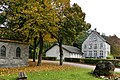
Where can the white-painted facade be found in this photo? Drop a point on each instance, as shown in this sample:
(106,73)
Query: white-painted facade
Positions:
(54,52)
(95,46)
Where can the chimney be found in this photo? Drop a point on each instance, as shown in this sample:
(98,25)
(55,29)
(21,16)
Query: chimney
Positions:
(95,29)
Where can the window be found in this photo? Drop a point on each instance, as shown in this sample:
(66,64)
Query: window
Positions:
(18,52)
(3,51)
(101,53)
(95,53)
(85,47)
(95,39)
(101,45)
(90,53)
(95,46)
(85,53)
(90,46)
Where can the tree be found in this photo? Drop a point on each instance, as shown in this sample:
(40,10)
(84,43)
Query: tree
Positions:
(80,39)
(72,22)
(3,19)
(32,18)
(38,18)
(114,41)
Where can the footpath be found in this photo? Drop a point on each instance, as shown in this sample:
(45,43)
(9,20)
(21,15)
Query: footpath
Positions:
(79,65)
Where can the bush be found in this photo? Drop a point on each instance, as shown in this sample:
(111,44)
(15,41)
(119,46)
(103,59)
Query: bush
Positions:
(50,58)
(72,59)
(116,62)
(110,57)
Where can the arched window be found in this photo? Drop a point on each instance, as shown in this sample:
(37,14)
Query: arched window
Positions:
(3,51)
(18,52)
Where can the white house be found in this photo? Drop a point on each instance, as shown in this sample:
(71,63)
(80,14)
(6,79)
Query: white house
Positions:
(68,52)
(95,46)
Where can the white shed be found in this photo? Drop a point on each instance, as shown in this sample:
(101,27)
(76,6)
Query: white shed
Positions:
(68,52)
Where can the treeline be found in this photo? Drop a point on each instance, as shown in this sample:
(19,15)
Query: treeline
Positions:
(114,41)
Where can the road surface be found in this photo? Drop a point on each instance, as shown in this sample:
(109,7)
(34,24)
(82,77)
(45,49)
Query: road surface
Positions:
(80,65)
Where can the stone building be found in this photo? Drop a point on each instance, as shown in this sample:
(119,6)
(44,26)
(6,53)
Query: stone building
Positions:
(13,53)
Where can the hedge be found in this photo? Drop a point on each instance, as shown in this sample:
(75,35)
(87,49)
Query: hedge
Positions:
(116,62)
(50,58)
(72,59)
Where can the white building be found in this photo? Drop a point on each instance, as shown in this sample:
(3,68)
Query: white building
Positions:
(95,46)
(68,52)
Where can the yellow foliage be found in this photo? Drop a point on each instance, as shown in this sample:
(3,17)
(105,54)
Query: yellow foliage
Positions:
(49,38)
(32,67)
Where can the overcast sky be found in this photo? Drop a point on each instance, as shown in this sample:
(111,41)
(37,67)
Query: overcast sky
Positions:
(102,14)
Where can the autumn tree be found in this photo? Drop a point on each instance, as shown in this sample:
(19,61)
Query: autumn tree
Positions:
(32,18)
(38,19)
(114,41)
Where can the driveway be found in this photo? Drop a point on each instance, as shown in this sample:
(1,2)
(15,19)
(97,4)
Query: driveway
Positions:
(80,65)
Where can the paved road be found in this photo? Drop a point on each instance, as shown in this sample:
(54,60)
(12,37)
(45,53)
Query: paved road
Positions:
(80,65)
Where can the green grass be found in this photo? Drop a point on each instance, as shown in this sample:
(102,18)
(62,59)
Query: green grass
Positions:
(72,73)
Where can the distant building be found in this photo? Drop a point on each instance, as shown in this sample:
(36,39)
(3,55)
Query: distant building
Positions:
(95,46)
(13,53)
(68,52)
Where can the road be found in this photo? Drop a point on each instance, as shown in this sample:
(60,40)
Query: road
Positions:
(80,65)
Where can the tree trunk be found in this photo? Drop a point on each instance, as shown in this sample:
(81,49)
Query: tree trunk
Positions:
(35,45)
(40,51)
(61,51)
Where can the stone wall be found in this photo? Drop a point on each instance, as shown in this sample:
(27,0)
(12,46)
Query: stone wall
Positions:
(11,60)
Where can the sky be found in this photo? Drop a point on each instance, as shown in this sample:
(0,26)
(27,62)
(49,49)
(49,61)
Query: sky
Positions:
(102,14)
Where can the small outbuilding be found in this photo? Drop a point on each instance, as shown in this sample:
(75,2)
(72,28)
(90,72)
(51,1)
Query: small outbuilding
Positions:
(13,53)
(68,51)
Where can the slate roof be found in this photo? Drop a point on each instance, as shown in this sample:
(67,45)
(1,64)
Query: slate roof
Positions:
(70,49)
(95,32)
(103,39)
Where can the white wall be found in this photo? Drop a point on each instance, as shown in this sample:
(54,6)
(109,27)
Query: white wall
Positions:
(90,40)
(54,52)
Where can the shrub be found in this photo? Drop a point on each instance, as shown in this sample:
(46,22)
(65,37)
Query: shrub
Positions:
(50,58)
(72,59)
(116,62)
(110,57)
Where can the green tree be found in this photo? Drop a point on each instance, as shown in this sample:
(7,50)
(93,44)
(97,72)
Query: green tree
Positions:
(72,22)
(80,39)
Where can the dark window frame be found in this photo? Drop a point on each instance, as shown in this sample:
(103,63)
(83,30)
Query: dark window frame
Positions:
(18,52)
(3,51)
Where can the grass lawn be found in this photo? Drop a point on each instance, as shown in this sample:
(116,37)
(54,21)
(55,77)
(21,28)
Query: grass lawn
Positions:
(48,71)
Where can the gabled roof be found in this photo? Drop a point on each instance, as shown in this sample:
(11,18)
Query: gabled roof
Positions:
(98,35)
(70,49)
(95,32)
(13,41)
